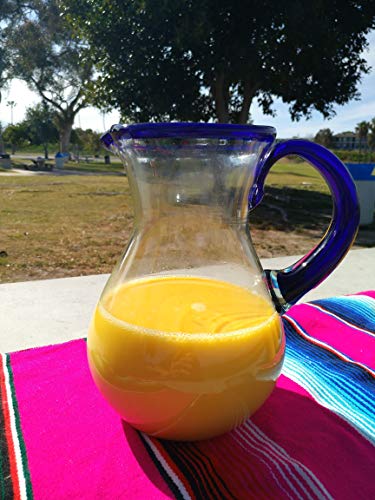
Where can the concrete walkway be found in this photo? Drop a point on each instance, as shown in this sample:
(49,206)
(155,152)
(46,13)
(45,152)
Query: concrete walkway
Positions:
(37,313)
(18,172)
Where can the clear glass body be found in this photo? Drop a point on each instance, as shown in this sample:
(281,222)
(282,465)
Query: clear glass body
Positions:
(185,342)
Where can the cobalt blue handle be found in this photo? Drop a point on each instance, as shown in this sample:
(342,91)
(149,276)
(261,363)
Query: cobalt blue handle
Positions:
(288,285)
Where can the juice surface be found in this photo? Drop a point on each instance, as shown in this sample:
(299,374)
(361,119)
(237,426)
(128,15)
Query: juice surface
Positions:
(185,357)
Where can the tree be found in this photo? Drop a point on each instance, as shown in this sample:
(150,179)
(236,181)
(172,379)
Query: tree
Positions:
(371,135)
(2,82)
(361,131)
(37,128)
(40,121)
(324,137)
(1,139)
(41,49)
(16,135)
(198,59)
(4,17)
(87,140)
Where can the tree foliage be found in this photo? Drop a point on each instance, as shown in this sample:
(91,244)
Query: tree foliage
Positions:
(1,139)
(324,137)
(367,130)
(197,59)
(87,140)
(362,130)
(16,135)
(39,47)
(41,123)
(38,128)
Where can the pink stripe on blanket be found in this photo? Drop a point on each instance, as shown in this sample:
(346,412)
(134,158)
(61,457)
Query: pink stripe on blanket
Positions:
(326,444)
(368,293)
(351,342)
(74,441)
(286,383)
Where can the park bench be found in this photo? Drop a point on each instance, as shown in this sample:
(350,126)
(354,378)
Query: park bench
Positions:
(39,164)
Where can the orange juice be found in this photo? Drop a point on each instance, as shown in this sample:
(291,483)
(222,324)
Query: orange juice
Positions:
(183,357)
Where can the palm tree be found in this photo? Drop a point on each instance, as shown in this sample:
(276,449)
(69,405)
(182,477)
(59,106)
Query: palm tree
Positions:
(371,135)
(361,130)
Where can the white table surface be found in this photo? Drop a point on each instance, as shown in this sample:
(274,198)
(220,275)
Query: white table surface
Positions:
(36,313)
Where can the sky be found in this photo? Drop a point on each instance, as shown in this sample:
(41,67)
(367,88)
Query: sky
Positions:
(346,118)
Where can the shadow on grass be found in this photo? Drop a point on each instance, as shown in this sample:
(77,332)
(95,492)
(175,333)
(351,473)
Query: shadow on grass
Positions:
(302,211)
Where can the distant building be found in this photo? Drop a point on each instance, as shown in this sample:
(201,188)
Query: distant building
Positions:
(348,140)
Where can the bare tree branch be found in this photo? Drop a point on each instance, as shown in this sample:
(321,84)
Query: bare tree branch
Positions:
(44,96)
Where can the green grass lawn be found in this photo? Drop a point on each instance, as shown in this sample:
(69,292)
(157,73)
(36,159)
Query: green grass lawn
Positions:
(55,226)
(283,173)
(296,174)
(97,166)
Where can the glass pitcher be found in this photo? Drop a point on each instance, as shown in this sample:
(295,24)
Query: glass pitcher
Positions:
(186,341)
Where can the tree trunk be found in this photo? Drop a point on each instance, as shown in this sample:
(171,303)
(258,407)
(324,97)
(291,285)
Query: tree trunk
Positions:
(65,130)
(219,93)
(45,146)
(248,95)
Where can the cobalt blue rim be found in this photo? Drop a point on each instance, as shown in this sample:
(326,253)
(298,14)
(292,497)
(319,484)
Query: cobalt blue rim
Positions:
(189,130)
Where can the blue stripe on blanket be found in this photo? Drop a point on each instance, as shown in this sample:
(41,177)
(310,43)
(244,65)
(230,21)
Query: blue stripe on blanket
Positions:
(344,387)
(357,310)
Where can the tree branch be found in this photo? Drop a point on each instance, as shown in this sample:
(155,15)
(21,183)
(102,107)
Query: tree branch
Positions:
(43,95)
(75,100)
(82,105)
